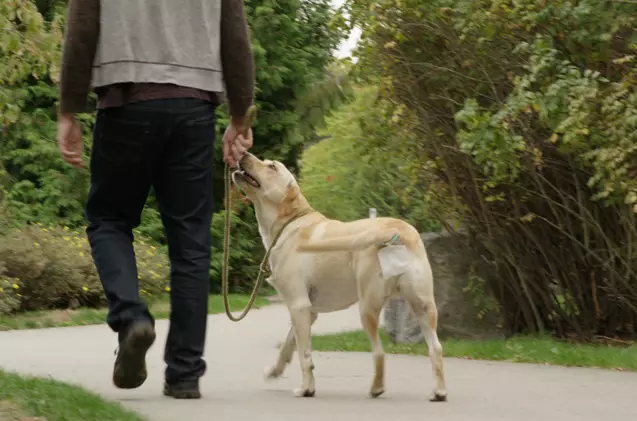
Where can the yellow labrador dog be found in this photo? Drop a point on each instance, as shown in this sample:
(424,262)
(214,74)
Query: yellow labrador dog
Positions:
(321,265)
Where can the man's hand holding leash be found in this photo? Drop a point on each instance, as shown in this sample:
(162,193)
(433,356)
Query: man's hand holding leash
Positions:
(236,141)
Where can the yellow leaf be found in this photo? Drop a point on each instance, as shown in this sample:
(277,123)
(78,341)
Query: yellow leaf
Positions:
(554,138)
(390,44)
(529,217)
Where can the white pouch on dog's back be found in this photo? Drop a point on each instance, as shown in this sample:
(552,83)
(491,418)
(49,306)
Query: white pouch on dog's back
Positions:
(394,260)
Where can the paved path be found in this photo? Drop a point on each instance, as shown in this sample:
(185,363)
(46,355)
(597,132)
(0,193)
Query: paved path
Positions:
(234,389)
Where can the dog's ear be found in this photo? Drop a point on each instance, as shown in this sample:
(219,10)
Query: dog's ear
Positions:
(291,201)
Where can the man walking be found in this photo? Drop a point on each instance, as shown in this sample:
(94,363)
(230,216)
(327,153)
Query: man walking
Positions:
(159,68)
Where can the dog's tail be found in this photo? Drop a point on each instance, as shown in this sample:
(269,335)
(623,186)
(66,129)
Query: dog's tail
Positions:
(350,242)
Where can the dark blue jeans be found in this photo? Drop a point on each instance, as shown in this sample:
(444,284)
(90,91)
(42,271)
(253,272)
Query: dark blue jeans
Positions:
(167,145)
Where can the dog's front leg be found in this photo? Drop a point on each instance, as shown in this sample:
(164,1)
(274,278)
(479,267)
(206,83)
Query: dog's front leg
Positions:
(301,315)
(285,354)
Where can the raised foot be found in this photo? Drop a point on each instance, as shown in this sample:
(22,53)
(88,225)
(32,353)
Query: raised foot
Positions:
(129,371)
(271,373)
(304,393)
(374,393)
(438,397)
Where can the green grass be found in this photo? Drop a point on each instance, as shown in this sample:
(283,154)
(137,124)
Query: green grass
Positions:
(542,350)
(87,316)
(23,399)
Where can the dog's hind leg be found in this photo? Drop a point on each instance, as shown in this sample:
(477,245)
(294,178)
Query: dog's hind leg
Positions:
(424,308)
(285,354)
(370,309)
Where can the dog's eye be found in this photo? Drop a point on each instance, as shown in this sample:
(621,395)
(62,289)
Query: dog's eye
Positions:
(272,167)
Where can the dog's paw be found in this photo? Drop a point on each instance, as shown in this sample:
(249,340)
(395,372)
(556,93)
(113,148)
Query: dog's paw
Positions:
(271,372)
(304,393)
(376,392)
(438,396)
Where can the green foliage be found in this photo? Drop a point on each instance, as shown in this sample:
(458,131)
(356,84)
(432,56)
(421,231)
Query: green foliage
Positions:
(5,221)
(39,186)
(48,268)
(478,291)
(348,172)
(525,120)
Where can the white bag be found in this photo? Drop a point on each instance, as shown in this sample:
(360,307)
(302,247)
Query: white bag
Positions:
(394,260)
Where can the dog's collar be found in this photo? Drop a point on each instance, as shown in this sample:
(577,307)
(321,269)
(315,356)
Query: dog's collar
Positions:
(265,265)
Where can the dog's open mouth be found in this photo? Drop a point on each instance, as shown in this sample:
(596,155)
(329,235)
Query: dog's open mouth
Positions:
(248,178)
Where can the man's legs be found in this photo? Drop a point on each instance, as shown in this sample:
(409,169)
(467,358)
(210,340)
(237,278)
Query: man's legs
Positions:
(183,186)
(121,174)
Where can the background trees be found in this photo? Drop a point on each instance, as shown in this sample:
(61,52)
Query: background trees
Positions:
(523,122)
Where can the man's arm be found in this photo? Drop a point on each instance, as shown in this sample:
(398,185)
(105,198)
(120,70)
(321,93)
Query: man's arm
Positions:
(80,45)
(237,59)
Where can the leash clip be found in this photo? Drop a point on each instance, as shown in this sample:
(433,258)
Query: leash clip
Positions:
(393,241)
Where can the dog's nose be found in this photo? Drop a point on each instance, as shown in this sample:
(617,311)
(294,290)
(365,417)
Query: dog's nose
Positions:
(245,158)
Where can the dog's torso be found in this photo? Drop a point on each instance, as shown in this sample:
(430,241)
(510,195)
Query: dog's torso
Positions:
(327,278)
(332,280)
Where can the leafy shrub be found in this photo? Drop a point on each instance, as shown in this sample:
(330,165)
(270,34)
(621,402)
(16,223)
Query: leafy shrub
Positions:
(9,293)
(52,268)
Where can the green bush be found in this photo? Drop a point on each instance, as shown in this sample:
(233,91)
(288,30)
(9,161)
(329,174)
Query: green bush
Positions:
(10,296)
(50,268)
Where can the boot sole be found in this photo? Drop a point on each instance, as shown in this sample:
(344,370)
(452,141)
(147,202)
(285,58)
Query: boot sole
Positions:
(130,366)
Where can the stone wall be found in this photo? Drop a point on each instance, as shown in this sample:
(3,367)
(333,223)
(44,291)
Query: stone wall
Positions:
(451,260)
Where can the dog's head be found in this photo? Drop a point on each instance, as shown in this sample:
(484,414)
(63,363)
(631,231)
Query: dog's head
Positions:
(268,184)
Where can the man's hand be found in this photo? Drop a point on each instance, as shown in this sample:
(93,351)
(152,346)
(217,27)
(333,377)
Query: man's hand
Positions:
(70,139)
(236,141)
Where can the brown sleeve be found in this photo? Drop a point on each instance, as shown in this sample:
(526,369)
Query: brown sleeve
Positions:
(236,57)
(80,45)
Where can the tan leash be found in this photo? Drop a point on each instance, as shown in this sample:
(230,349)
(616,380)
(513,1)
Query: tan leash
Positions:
(264,268)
